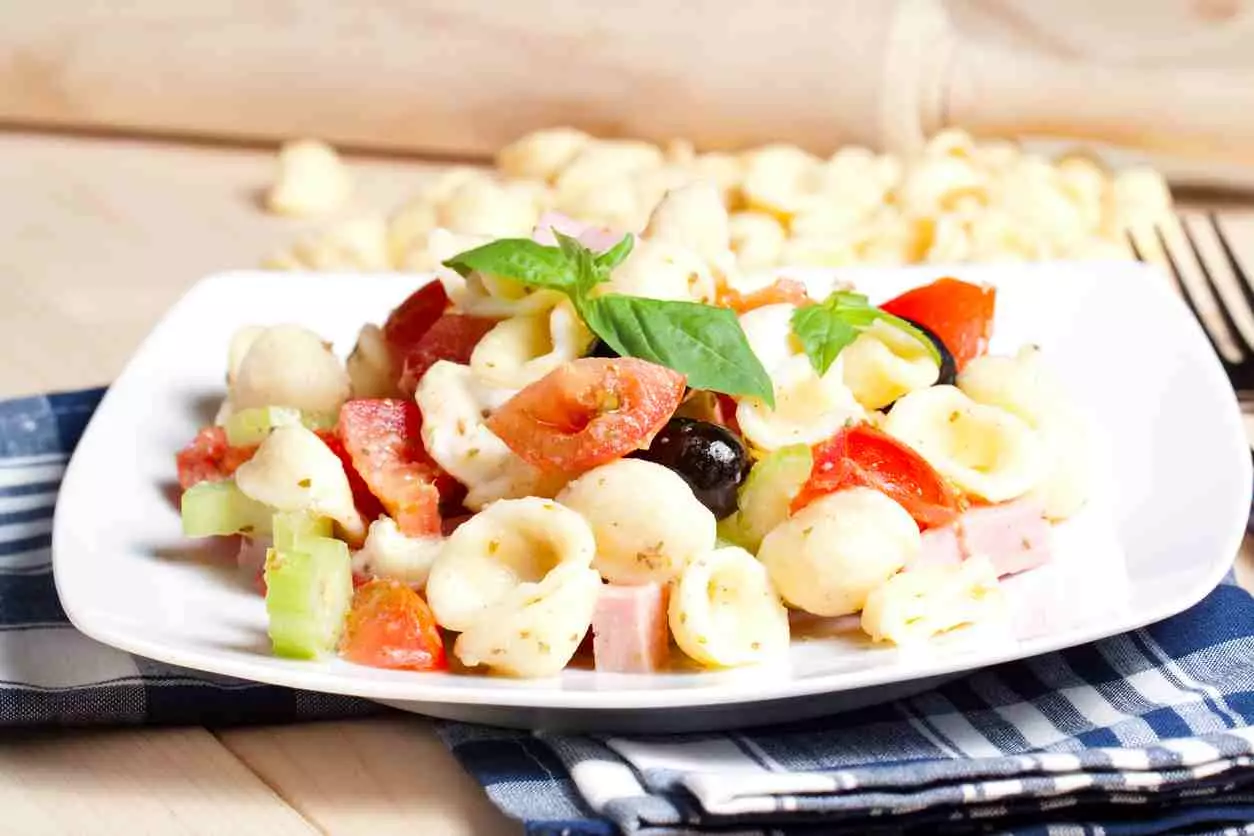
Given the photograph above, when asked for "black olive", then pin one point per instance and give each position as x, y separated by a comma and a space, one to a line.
709, 457
948, 368
601, 348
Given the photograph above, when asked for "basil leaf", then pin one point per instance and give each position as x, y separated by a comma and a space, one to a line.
702, 342
826, 328
823, 334
616, 254
520, 259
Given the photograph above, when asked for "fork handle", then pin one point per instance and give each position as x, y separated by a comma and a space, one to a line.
1202, 113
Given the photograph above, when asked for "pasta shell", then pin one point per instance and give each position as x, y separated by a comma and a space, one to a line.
523, 349
287, 365
388, 553
808, 408
884, 363
913, 606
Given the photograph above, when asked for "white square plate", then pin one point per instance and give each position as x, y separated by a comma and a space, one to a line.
1162, 530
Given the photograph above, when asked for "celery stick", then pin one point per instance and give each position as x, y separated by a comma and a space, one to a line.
251, 426
292, 527
219, 508
308, 596
765, 496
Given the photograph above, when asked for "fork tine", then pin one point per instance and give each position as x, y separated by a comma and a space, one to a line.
1178, 277
1225, 313
1243, 281
1136, 251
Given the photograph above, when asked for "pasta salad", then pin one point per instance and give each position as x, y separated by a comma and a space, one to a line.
612, 449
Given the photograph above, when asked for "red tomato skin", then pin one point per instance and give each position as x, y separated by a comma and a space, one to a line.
368, 505
789, 291
412, 318
390, 626
588, 412
383, 438
862, 456
958, 312
453, 337
208, 458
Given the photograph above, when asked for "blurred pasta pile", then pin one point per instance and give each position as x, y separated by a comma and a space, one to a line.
958, 200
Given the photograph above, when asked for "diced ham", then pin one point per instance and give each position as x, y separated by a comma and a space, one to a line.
1014, 536
595, 238
630, 633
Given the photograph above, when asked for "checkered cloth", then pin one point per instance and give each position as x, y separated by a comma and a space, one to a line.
1148, 732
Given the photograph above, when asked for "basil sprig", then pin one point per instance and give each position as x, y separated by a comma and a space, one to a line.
702, 342
826, 328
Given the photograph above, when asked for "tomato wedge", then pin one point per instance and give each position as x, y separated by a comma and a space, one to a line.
415, 316
958, 312
779, 291
368, 505
862, 456
453, 337
588, 412
390, 626
384, 441
209, 458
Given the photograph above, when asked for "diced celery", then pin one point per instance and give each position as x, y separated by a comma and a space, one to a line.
251, 426
293, 527
308, 596
219, 508
765, 496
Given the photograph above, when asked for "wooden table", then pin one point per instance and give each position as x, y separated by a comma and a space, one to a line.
98, 237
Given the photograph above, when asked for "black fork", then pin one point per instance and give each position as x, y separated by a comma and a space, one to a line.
1241, 370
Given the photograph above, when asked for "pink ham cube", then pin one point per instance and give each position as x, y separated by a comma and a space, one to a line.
630, 633
1014, 536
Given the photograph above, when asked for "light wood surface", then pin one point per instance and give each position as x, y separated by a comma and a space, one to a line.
98, 237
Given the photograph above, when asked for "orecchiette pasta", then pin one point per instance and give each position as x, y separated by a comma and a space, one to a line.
781, 179
507, 544
648, 524
371, 368
486, 207
287, 365
543, 154
241, 341
535, 628
911, 607
523, 349
388, 553
600, 162
453, 405
1025, 386
757, 239
808, 407
311, 179
769, 332
693, 217
827, 557
662, 270
294, 470
884, 363
725, 612
985, 451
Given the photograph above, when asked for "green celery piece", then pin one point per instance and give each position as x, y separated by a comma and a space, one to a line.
765, 496
251, 426
292, 528
308, 596
210, 509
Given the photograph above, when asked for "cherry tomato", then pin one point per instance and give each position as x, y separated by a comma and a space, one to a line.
415, 316
383, 439
958, 312
453, 337
862, 456
208, 458
588, 412
368, 505
390, 626
788, 291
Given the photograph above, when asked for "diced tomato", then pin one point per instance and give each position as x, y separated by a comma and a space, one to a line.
958, 312
862, 456
588, 412
383, 438
453, 337
390, 626
368, 505
208, 458
411, 319
788, 291
727, 413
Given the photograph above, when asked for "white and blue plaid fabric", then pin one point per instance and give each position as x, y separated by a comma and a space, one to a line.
1148, 732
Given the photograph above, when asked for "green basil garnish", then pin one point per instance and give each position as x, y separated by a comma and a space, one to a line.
826, 328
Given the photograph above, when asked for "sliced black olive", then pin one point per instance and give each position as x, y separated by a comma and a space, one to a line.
709, 457
948, 368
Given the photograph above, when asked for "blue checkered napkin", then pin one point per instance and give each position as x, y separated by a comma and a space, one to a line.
50, 674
